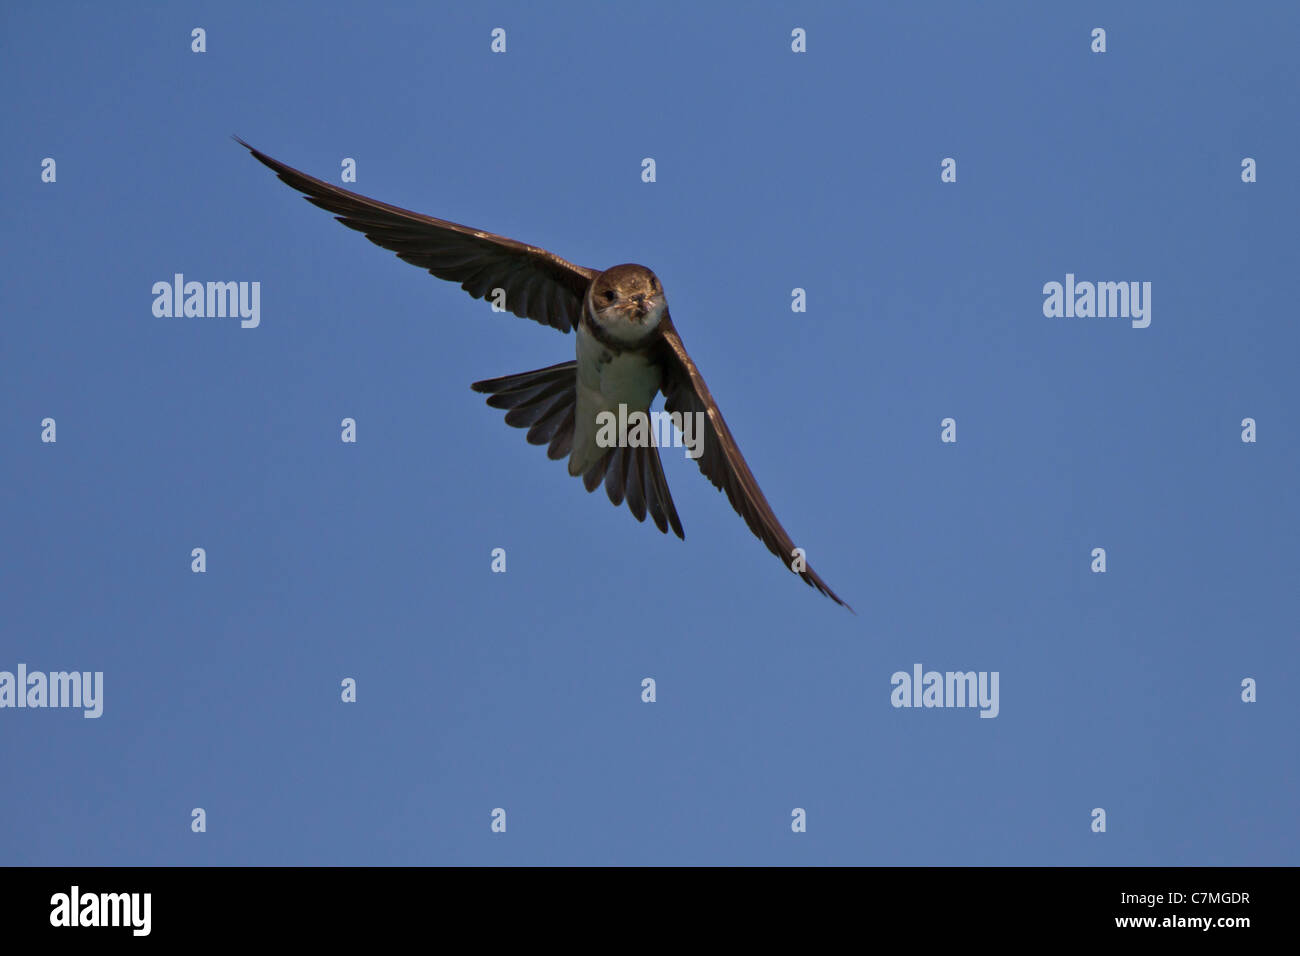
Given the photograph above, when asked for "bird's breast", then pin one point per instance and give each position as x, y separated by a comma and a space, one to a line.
607, 378
611, 376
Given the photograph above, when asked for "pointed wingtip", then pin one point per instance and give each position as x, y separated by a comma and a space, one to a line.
840, 601
256, 153
272, 164
812, 579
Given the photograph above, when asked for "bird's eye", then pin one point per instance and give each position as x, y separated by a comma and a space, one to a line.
609, 295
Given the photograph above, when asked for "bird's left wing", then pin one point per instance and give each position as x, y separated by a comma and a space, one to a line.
721, 461
538, 285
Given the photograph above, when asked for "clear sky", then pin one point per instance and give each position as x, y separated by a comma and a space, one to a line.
775, 170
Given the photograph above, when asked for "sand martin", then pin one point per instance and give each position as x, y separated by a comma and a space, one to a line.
627, 351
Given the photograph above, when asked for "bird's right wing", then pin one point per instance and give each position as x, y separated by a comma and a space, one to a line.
538, 285
721, 461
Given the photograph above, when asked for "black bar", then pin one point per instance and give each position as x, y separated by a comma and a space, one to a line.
373, 904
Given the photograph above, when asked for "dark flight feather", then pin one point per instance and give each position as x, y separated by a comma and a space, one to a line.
538, 285
721, 462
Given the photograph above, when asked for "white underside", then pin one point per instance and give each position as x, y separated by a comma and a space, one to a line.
605, 381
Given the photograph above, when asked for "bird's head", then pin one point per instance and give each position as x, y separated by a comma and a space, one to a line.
628, 302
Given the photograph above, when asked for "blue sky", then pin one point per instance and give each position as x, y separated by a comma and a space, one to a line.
522, 690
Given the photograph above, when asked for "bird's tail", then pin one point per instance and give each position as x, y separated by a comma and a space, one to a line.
545, 402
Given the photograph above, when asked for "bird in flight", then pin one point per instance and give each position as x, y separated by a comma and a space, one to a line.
627, 351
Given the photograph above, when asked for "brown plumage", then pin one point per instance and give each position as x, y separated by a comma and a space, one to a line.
539, 285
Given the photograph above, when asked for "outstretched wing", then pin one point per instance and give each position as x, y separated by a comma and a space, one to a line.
538, 285
721, 461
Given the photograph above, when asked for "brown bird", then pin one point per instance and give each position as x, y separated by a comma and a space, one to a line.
595, 409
